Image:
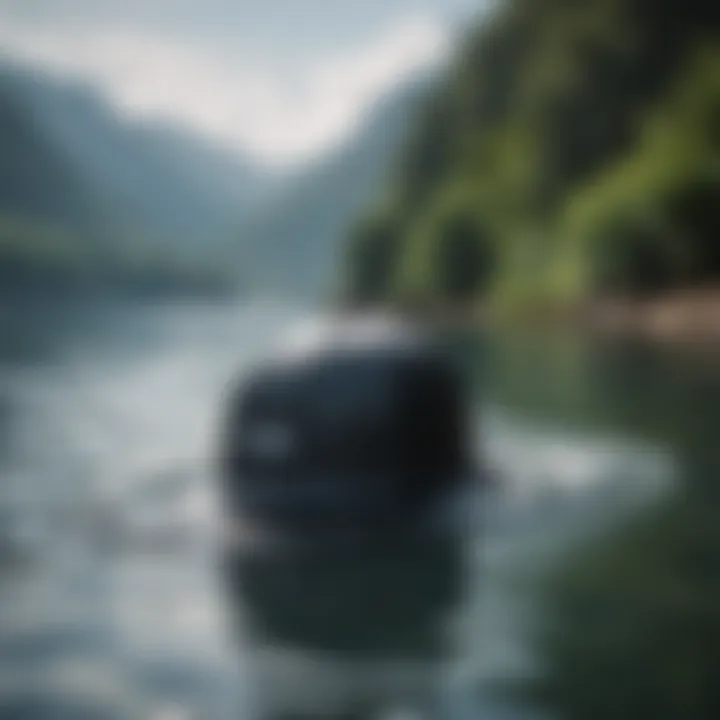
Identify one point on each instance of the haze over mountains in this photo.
(295, 240)
(167, 181)
(84, 189)
(72, 165)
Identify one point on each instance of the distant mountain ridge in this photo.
(125, 158)
(70, 166)
(36, 178)
(85, 191)
(294, 241)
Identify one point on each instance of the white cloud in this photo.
(281, 113)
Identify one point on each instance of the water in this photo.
(111, 601)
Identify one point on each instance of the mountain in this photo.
(36, 178)
(571, 152)
(78, 182)
(292, 242)
(165, 179)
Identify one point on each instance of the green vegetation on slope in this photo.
(573, 151)
(46, 259)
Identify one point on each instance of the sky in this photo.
(279, 80)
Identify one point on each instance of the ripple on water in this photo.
(110, 490)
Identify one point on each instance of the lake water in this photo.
(111, 600)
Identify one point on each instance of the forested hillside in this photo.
(572, 152)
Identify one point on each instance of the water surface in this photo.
(111, 604)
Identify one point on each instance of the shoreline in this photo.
(683, 318)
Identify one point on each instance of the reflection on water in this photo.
(112, 599)
(348, 632)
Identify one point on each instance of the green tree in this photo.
(372, 254)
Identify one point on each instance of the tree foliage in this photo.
(585, 138)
